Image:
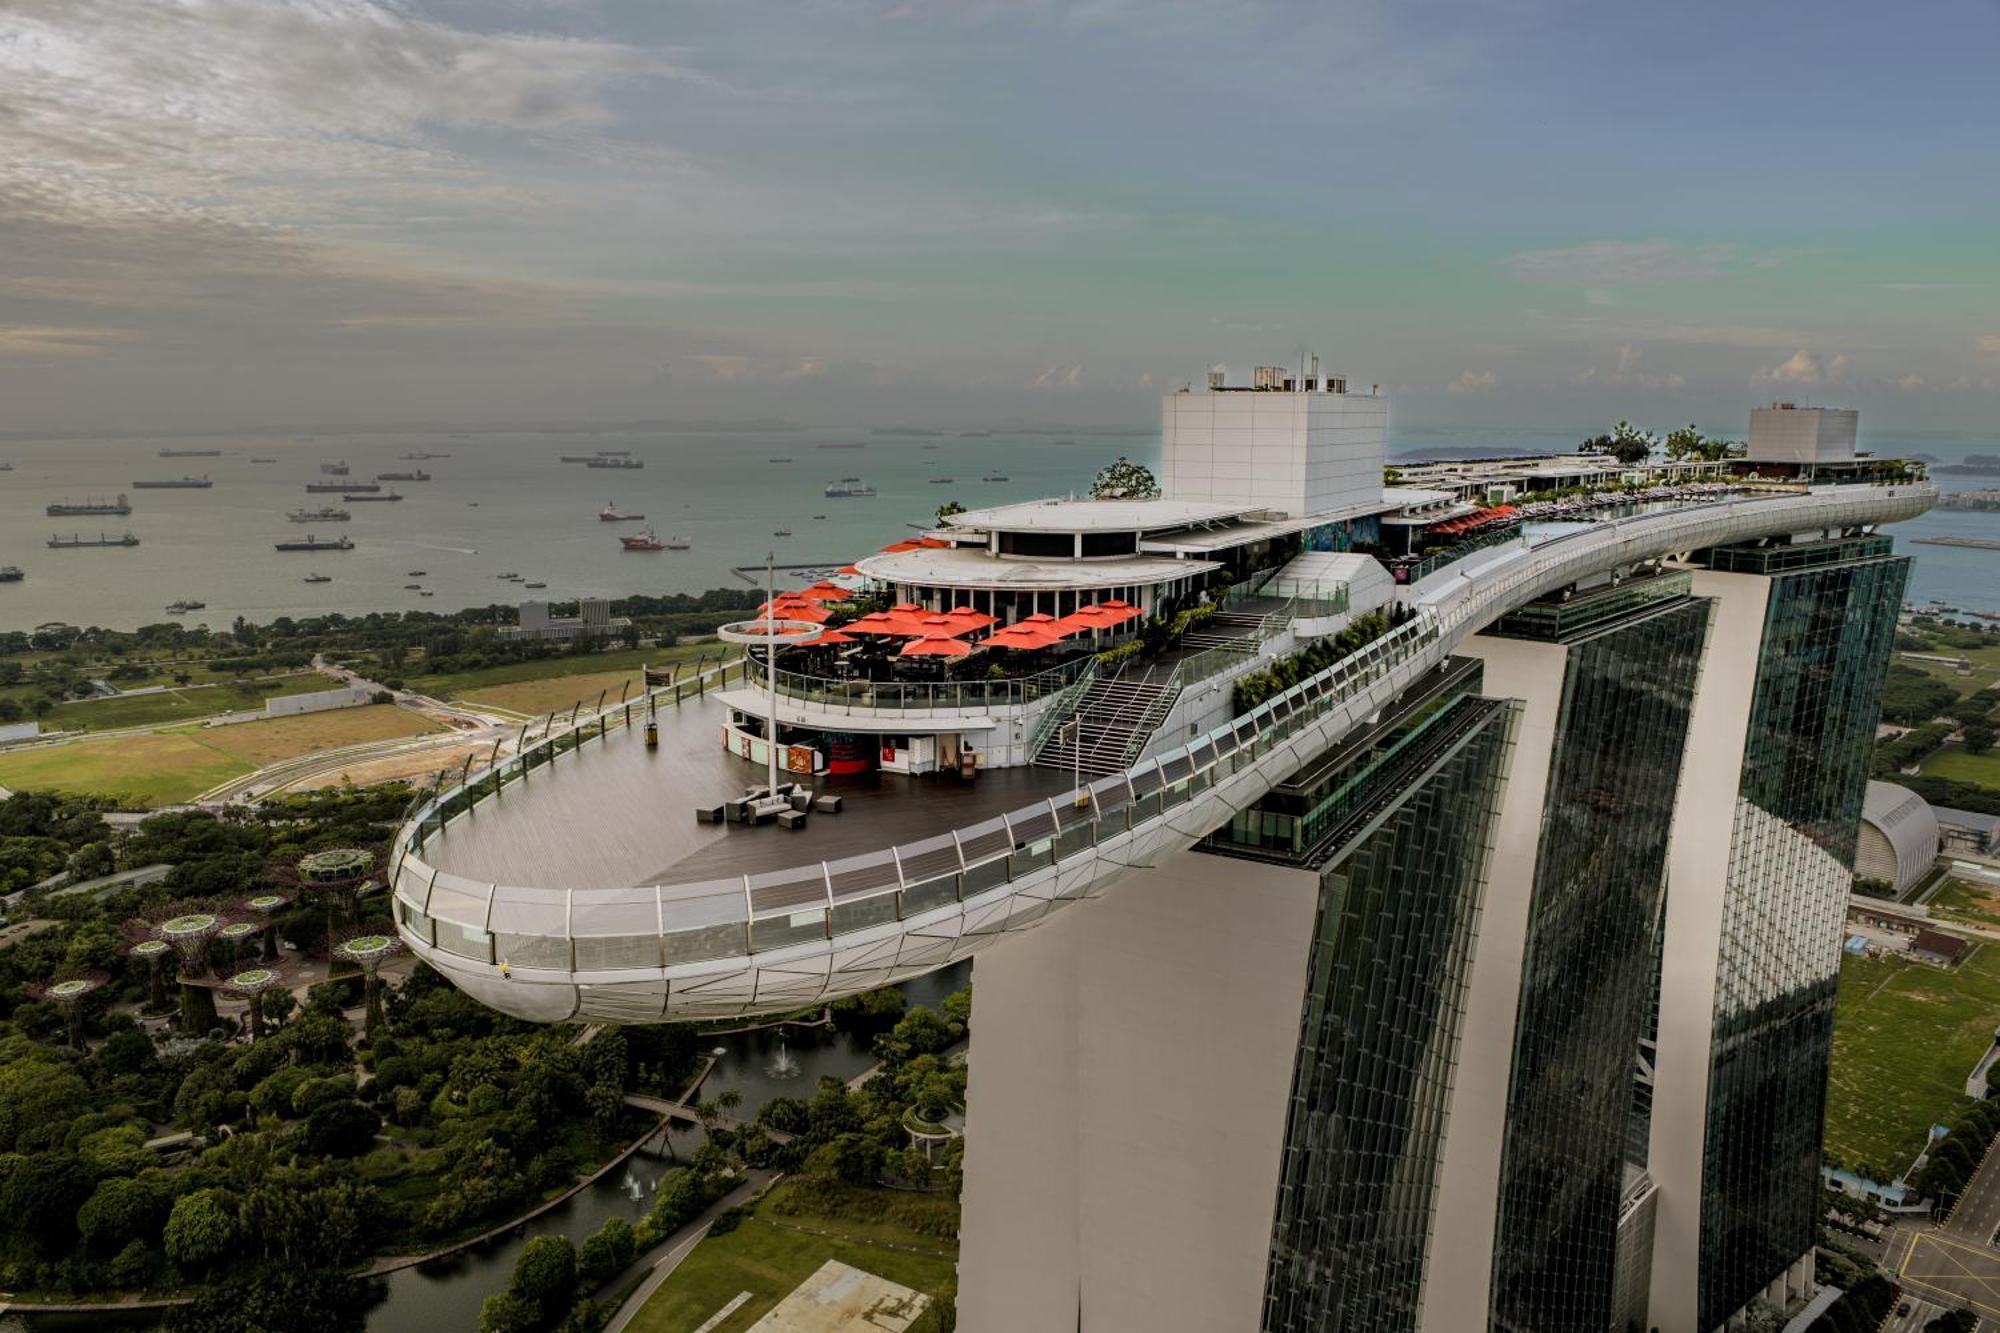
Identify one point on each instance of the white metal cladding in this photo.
(776, 941)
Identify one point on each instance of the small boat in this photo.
(426, 594)
(819, 516)
(61, 543)
(181, 608)
(996, 476)
(414, 586)
(935, 481)
(7, 467)
(11, 573)
(419, 573)
(544, 585)
(642, 541)
(612, 514)
(678, 543)
(781, 532)
(510, 574)
(319, 578)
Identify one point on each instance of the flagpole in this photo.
(771, 656)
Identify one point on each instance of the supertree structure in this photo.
(67, 994)
(187, 930)
(267, 906)
(368, 952)
(251, 983)
(337, 877)
(154, 951)
(237, 935)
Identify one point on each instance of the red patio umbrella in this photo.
(832, 636)
(936, 645)
(1021, 637)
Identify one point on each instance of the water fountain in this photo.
(783, 1065)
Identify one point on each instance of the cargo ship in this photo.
(611, 514)
(418, 475)
(357, 499)
(174, 484)
(323, 514)
(333, 469)
(11, 574)
(62, 543)
(422, 455)
(574, 458)
(64, 509)
(311, 543)
(848, 488)
(319, 578)
(614, 462)
(340, 487)
(190, 453)
(642, 541)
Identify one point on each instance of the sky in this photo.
(221, 214)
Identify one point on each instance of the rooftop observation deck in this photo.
(624, 814)
(573, 881)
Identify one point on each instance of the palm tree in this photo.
(728, 1099)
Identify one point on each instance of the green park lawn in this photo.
(165, 767)
(767, 1257)
(1959, 901)
(180, 705)
(1954, 763)
(1905, 1036)
(617, 662)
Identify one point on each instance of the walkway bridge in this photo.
(749, 925)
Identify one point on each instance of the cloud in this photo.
(1606, 263)
(1805, 367)
(725, 369)
(1989, 344)
(56, 340)
(1473, 381)
(1627, 372)
(1058, 377)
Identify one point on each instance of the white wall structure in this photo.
(19, 731)
(1457, 1293)
(1111, 1041)
(1298, 451)
(1698, 859)
(319, 701)
(1899, 836)
(1786, 433)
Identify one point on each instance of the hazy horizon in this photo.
(220, 213)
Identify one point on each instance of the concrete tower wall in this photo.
(1126, 1111)
(1295, 452)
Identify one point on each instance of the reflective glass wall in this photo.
(1828, 632)
(1400, 884)
(1587, 978)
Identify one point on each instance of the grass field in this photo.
(180, 705)
(767, 1258)
(1954, 763)
(1905, 1036)
(1959, 901)
(170, 766)
(614, 664)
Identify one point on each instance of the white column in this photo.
(1697, 873)
(1458, 1278)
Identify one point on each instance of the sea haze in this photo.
(503, 502)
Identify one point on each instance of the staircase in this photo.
(1111, 723)
(1239, 630)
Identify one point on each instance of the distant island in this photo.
(1975, 465)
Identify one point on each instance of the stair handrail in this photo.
(1059, 712)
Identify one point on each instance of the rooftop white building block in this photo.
(1787, 433)
(1296, 446)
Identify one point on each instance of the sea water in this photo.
(503, 502)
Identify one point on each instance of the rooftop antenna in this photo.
(771, 658)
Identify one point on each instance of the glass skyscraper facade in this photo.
(1400, 875)
(1829, 625)
(1588, 970)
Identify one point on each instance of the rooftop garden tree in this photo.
(1125, 480)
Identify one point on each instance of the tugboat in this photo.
(11, 574)
(611, 514)
(643, 541)
(319, 578)
(848, 488)
(312, 543)
(184, 606)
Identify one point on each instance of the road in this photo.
(1956, 1263)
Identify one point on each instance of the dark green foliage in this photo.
(1910, 696)
(1899, 752)
(607, 1252)
(1953, 1321)
(1307, 662)
(277, 1299)
(341, 1129)
(1977, 736)
(545, 1277)
(1860, 1309)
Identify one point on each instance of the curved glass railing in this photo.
(629, 933)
